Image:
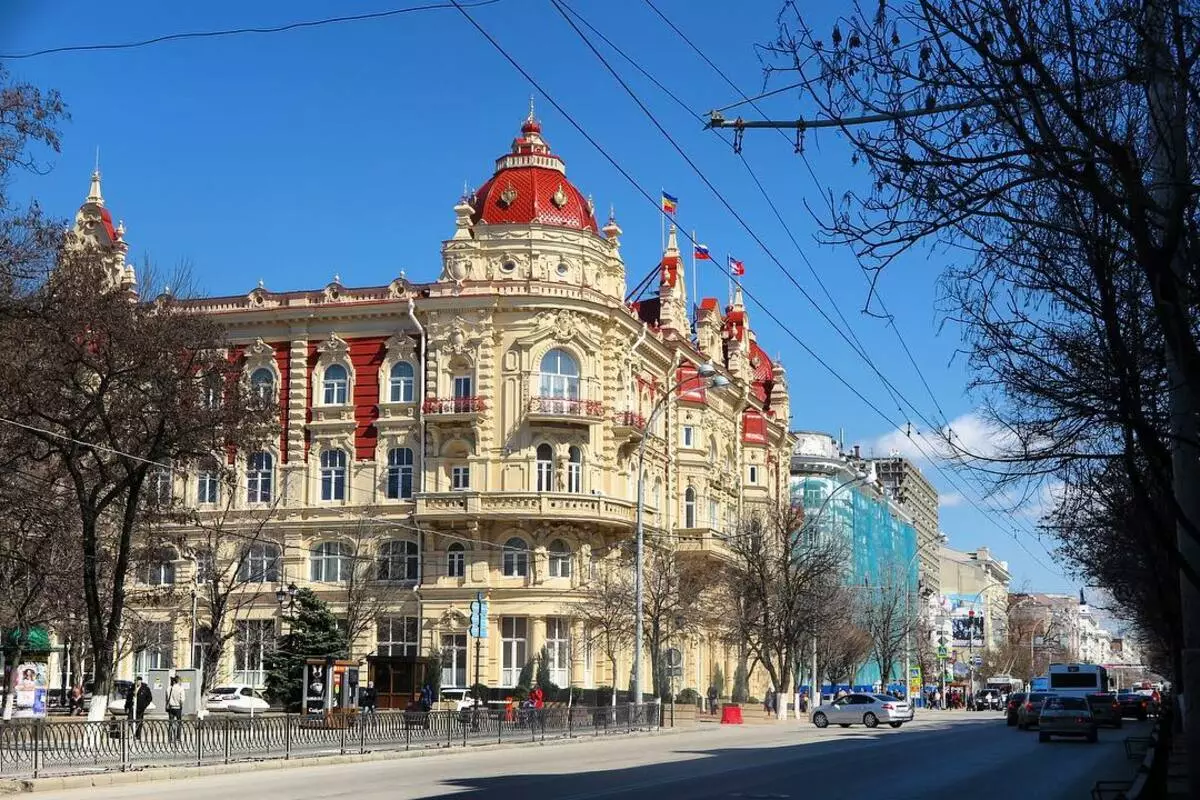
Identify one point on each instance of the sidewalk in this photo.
(1177, 768)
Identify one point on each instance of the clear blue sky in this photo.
(342, 149)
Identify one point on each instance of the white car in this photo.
(863, 709)
(460, 697)
(237, 698)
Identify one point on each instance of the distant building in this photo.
(912, 490)
(975, 594)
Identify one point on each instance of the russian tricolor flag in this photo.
(702, 253)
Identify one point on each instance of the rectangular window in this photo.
(454, 659)
(157, 644)
(689, 436)
(753, 477)
(253, 639)
(460, 478)
(558, 647)
(208, 488)
(462, 386)
(513, 648)
(456, 561)
(158, 490)
(714, 514)
(397, 636)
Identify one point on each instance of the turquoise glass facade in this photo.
(882, 545)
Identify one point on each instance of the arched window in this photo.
(400, 383)
(262, 384)
(260, 470)
(333, 475)
(545, 468)
(160, 567)
(574, 469)
(560, 559)
(456, 561)
(560, 375)
(400, 473)
(330, 562)
(689, 508)
(399, 560)
(516, 558)
(335, 385)
(260, 563)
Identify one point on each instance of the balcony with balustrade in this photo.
(629, 425)
(607, 512)
(453, 409)
(564, 400)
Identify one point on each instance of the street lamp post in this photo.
(709, 372)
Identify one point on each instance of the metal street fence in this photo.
(43, 748)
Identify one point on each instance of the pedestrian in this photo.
(137, 700)
(769, 702)
(369, 697)
(76, 700)
(538, 696)
(175, 698)
(712, 701)
(804, 702)
(426, 698)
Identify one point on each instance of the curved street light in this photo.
(707, 371)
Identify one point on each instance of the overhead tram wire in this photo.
(857, 344)
(871, 284)
(651, 200)
(655, 203)
(291, 26)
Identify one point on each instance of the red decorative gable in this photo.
(754, 427)
(762, 374)
(692, 386)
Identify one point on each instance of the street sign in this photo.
(977, 661)
(479, 617)
(676, 672)
(674, 658)
(942, 651)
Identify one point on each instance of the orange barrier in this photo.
(731, 714)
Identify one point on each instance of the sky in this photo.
(342, 149)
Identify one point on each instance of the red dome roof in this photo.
(531, 186)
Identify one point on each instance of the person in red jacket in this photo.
(538, 696)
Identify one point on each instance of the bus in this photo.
(1078, 679)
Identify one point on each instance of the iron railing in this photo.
(39, 748)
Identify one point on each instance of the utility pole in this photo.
(1170, 182)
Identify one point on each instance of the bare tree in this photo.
(384, 571)
(774, 593)
(1053, 148)
(603, 604)
(673, 589)
(109, 392)
(841, 652)
(888, 617)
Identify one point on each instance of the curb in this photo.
(102, 779)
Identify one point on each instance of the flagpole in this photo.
(662, 222)
(729, 275)
(695, 277)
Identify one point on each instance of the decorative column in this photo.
(537, 636)
(578, 650)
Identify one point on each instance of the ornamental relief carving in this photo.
(334, 347)
(400, 347)
(258, 355)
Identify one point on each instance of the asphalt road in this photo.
(963, 754)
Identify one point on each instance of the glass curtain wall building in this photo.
(881, 539)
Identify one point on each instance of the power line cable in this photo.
(729, 207)
(291, 26)
(871, 284)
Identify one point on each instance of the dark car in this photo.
(987, 700)
(1027, 714)
(1134, 705)
(1015, 701)
(1105, 708)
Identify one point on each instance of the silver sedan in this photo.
(865, 709)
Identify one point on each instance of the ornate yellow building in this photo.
(484, 430)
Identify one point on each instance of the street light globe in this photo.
(281, 595)
(706, 370)
(718, 381)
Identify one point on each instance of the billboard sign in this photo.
(967, 631)
(29, 690)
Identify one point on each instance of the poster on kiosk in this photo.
(330, 688)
